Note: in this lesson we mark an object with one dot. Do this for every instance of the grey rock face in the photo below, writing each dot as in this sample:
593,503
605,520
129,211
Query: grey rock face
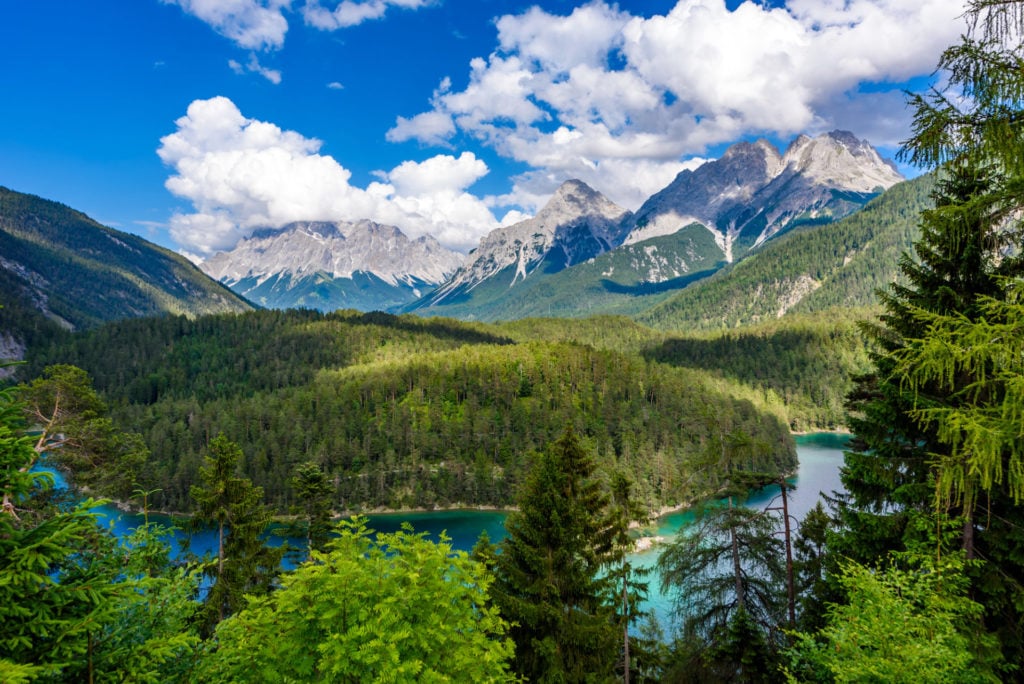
576,224
338,249
753,192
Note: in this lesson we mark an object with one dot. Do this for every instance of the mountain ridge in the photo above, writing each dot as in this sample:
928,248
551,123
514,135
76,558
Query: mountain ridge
60,269
329,265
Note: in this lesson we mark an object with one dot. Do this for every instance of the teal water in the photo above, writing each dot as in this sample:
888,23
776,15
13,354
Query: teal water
820,456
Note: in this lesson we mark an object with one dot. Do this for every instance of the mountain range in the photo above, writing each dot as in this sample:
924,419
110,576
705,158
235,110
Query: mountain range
581,254
333,265
706,219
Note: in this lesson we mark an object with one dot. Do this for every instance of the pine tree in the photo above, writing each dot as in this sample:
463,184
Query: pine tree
727,577
548,582
314,491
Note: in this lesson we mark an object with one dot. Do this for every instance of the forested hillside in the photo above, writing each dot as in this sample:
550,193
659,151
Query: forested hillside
801,364
58,263
841,264
402,411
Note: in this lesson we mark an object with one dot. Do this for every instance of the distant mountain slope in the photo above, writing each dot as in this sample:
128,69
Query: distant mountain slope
624,281
59,265
333,265
753,193
840,264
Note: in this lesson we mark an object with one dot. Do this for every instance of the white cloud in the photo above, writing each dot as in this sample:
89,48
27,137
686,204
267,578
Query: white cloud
252,24
349,13
437,174
254,66
335,85
262,24
241,174
619,100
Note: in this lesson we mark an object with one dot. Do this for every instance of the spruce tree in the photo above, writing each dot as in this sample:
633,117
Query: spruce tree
244,565
972,135
548,582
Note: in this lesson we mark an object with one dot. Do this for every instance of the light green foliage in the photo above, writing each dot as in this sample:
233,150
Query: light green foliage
981,421
909,621
395,608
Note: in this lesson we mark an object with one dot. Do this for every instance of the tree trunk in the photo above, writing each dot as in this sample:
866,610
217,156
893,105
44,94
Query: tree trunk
789,556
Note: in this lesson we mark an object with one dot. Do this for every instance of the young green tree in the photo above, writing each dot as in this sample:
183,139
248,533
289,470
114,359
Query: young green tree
244,564
548,574
386,608
908,619
314,492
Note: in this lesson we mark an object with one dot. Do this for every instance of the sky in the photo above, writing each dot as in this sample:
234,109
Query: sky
194,122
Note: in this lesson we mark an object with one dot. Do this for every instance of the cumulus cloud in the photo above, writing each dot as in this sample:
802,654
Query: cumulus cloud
241,174
349,13
252,24
619,100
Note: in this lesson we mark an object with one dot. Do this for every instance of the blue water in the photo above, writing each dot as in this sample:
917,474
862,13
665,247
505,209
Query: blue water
820,456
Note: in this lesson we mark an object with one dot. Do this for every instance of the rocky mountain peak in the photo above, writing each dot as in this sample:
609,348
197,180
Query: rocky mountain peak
336,249
840,160
576,224
752,192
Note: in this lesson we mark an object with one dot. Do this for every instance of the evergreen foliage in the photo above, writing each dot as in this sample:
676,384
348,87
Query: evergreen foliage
405,412
243,564
726,574
907,437
548,583
78,606
801,365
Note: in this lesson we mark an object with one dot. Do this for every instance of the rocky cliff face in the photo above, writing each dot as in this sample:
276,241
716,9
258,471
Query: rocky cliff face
576,224
753,192
329,265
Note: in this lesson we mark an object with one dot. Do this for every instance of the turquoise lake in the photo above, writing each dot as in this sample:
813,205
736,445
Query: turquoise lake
820,457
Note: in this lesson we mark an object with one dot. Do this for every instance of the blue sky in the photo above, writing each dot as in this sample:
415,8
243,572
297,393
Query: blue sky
193,122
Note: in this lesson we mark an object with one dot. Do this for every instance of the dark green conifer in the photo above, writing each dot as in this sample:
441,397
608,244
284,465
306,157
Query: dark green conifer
548,584
244,565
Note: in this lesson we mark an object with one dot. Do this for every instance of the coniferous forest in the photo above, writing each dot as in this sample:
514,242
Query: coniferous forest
584,430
